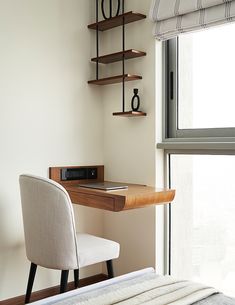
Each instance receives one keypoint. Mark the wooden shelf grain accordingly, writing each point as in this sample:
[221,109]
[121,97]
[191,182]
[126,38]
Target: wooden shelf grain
[116,21]
[129,114]
[136,196]
[118,56]
[114,79]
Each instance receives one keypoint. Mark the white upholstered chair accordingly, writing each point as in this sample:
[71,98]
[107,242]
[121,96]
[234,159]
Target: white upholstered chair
[50,235]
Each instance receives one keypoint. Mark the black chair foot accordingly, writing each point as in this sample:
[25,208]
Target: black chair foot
[76,278]
[32,272]
[110,269]
[64,280]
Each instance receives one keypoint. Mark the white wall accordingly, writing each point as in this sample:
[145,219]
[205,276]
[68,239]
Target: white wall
[130,143]
[49,116]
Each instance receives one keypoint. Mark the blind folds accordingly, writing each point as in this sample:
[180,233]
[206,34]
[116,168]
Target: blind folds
[173,17]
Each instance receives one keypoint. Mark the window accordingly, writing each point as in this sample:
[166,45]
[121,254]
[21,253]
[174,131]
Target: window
[203,220]
[200,107]
[200,74]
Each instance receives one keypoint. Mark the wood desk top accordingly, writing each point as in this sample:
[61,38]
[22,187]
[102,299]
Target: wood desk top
[136,196]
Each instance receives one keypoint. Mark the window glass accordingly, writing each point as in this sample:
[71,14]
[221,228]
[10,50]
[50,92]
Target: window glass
[203,220]
[206,92]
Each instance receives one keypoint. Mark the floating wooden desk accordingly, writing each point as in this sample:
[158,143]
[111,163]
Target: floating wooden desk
[136,196]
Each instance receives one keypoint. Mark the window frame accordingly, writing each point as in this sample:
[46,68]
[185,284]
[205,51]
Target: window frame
[213,141]
[171,132]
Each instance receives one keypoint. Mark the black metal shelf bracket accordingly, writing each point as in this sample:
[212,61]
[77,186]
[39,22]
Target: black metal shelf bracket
[123,38]
[123,56]
[97,39]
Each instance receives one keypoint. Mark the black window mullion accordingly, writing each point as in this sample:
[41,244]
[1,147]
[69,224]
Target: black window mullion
[171,87]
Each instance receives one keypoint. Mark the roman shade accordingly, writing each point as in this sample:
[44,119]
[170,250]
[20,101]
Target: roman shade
[173,17]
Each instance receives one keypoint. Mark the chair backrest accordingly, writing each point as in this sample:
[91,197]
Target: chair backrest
[49,225]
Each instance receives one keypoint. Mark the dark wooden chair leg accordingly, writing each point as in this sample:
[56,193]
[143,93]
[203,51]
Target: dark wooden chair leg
[64,280]
[76,278]
[32,272]
[110,269]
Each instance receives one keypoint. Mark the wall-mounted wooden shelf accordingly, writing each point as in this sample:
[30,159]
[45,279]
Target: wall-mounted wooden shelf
[116,21]
[106,24]
[130,114]
[114,57]
[114,79]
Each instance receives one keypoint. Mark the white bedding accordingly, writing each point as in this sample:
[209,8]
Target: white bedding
[141,287]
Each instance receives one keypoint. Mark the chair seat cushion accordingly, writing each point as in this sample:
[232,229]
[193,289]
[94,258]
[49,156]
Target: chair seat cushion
[93,249]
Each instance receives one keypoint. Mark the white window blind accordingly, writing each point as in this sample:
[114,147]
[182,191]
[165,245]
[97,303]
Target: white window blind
[173,17]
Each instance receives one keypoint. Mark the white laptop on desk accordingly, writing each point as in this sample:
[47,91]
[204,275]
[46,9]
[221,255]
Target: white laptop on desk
[105,186]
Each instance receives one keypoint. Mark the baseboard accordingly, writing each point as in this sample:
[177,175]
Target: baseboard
[48,292]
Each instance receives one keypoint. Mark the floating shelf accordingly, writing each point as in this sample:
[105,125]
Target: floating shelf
[114,57]
[114,79]
[129,114]
[116,21]
[122,56]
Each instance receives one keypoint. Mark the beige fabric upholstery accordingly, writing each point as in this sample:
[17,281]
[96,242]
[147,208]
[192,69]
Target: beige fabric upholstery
[49,226]
[94,249]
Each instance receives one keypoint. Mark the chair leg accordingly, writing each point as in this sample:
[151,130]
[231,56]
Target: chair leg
[110,269]
[32,272]
[64,280]
[76,278]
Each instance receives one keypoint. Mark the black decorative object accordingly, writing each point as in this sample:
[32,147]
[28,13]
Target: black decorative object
[110,8]
[136,96]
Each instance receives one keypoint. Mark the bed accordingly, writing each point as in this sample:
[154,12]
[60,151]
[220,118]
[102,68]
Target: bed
[141,287]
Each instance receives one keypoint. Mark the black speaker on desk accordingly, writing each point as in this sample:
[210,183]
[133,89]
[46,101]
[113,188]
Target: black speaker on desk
[84,173]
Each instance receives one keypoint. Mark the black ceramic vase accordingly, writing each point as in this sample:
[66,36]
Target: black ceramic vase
[135,102]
